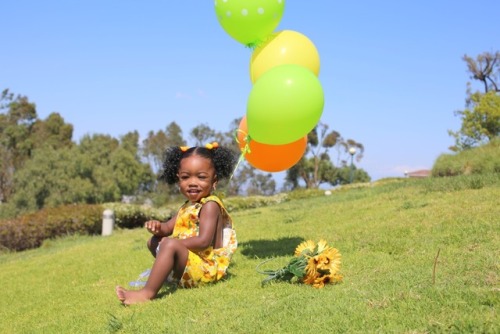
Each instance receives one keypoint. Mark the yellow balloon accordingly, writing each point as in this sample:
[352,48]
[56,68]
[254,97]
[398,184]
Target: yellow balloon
[284,47]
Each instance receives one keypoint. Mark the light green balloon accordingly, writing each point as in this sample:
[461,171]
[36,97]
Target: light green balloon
[249,21]
[284,105]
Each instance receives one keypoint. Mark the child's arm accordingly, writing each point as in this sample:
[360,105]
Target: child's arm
[210,214]
[161,229]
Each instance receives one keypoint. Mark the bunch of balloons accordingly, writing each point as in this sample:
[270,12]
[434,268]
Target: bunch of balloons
[286,101]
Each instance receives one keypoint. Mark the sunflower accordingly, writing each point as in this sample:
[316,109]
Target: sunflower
[306,247]
[311,268]
[310,278]
[206,278]
[335,262]
[220,274]
[314,264]
[335,278]
[323,261]
[323,268]
[319,282]
[322,246]
[207,253]
[223,261]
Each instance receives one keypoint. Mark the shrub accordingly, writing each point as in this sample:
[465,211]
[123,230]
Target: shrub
[457,183]
[251,202]
[480,160]
[132,215]
[7,211]
[305,193]
[29,231]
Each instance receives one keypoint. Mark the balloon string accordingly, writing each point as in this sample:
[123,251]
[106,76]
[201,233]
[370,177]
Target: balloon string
[259,42]
[251,46]
[245,150]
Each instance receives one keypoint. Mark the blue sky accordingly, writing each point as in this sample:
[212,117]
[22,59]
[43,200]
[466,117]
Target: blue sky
[391,71]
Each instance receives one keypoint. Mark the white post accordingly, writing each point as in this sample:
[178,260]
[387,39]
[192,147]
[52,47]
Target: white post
[108,221]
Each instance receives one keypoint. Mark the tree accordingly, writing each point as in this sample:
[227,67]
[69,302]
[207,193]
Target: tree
[100,169]
[228,139]
[202,134]
[128,174]
[245,178]
[53,132]
[50,178]
[315,167]
[22,133]
[155,144]
[358,175]
[153,149]
[480,121]
[485,68]
[481,116]
[262,184]
[113,166]
[15,137]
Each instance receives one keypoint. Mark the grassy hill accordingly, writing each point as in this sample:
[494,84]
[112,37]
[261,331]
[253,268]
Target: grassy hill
[419,256]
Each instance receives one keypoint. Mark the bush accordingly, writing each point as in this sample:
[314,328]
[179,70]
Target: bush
[480,160]
[7,211]
[132,215]
[460,182]
[251,202]
[305,193]
[29,231]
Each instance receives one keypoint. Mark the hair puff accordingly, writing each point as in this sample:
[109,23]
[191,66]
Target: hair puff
[223,159]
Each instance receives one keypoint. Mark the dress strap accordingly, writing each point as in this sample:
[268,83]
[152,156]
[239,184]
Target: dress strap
[213,198]
[229,240]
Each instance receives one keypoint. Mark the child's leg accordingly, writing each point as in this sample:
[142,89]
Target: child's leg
[153,244]
[173,255]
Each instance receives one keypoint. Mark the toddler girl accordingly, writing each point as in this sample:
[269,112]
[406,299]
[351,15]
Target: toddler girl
[196,245]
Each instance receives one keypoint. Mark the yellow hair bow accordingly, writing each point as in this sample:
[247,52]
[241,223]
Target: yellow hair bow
[212,145]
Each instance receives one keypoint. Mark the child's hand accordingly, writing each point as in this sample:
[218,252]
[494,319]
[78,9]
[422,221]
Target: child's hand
[153,226]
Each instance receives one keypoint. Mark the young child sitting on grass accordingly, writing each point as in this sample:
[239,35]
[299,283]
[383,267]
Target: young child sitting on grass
[197,244]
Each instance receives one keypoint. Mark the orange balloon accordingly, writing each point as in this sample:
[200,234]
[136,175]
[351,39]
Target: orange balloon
[270,158]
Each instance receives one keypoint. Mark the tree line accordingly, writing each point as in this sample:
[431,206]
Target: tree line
[42,166]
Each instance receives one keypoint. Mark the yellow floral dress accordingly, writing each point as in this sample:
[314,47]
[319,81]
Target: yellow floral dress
[209,265]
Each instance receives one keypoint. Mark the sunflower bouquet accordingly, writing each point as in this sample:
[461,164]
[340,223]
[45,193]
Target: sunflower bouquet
[313,263]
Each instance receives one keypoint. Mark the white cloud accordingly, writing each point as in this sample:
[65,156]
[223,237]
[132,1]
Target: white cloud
[202,93]
[182,96]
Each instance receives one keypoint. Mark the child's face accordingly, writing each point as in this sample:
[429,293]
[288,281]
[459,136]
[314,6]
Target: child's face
[196,177]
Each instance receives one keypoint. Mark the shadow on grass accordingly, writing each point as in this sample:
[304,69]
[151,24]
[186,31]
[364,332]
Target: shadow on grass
[270,248]
[166,289]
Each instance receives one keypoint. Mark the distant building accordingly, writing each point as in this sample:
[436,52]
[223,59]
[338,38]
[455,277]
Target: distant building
[419,173]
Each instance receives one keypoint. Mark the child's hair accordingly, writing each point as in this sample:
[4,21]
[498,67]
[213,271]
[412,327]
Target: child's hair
[224,161]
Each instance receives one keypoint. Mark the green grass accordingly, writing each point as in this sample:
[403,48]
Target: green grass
[389,235]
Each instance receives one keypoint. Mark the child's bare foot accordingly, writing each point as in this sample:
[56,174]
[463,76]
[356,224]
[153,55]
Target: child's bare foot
[128,297]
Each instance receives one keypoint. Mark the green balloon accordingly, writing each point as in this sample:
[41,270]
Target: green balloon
[249,21]
[284,105]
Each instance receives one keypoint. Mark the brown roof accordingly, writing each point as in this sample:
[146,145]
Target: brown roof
[419,173]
